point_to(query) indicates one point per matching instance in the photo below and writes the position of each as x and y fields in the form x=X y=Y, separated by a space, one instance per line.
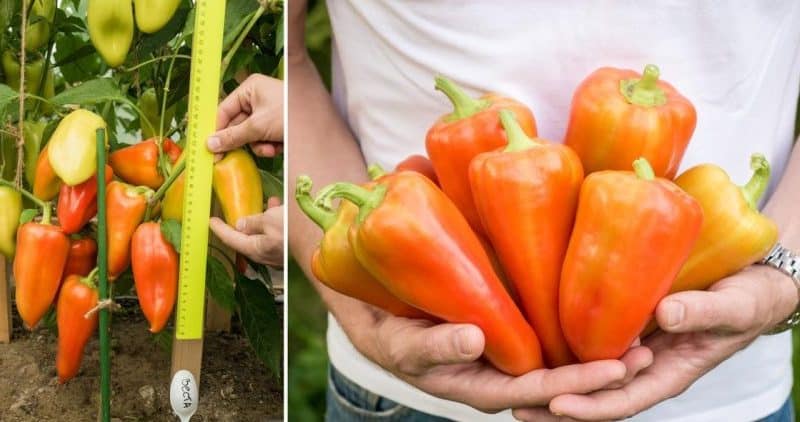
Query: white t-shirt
x=737 y=61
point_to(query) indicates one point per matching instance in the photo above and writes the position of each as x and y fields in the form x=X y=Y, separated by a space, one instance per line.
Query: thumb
x=725 y=310
x=443 y=344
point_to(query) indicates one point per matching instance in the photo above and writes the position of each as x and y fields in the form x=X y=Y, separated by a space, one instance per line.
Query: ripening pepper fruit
x=472 y=128
x=78 y=296
x=33 y=131
x=110 y=24
x=632 y=234
x=237 y=185
x=335 y=265
x=150 y=105
x=34 y=75
x=172 y=204
x=155 y=272
x=126 y=206
x=152 y=15
x=72 y=149
x=139 y=164
x=8 y=156
x=42 y=251
x=734 y=234
x=421 y=165
x=82 y=257
x=526 y=195
x=78 y=204
x=619 y=115
x=10 y=211
x=413 y=239
x=37 y=34
x=46 y=183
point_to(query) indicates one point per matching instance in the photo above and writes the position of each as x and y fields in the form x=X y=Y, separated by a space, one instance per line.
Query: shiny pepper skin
x=78 y=296
x=334 y=263
x=172 y=204
x=10 y=211
x=421 y=165
x=33 y=141
x=150 y=105
x=155 y=272
x=138 y=164
x=152 y=15
x=78 y=204
x=37 y=34
x=619 y=115
x=126 y=206
x=632 y=234
x=46 y=183
x=237 y=185
x=33 y=75
x=456 y=138
x=110 y=24
x=72 y=149
x=82 y=257
x=413 y=239
x=526 y=195
x=42 y=251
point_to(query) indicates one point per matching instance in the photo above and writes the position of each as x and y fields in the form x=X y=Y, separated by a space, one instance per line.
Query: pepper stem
x=643 y=169
x=375 y=171
x=366 y=200
x=89 y=279
x=757 y=185
x=463 y=105
x=517 y=139
x=644 y=91
x=46 y=213
x=302 y=194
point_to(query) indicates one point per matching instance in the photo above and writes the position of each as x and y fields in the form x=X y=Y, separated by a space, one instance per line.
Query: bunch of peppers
x=524 y=235
x=64 y=180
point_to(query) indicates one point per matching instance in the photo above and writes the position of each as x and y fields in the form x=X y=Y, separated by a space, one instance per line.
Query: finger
x=264 y=149
x=636 y=359
x=730 y=309
x=237 y=241
x=233 y=137
x=417 y=349
x=253 y=224
x=538 y=414
x=273 y=201
x=237 y=103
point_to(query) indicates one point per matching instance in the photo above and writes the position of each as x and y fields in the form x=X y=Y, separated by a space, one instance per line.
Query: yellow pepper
x=72 y=149
x=237 y=185
x=9 y=219
x=111 y=29
x=152 y=15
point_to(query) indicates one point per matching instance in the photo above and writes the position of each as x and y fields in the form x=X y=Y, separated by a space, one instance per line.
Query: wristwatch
x=789 y=263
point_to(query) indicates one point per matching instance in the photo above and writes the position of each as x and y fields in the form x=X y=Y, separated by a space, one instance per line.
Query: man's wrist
x=780 y=268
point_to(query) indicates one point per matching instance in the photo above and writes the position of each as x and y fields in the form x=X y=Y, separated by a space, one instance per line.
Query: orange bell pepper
x=619 y=115
x=632 y=234
x=78 y=296
x=46 y=183
x=125 y=207
x=472 y=128
x=42 y=251
x=155 y=272
x=139 y=164
x=413 y=239
x=735 y=234
x=526 y=195
x=421 y=165
x=334 y=263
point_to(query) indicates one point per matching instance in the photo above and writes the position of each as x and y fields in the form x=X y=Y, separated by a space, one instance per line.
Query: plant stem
x=102 y=264
x=21 y=123
x=322 y=217
x=34 y=199
x=173 y=176
x=757 y=185
x=153 y=60
x=643 y=169
x=242 y=35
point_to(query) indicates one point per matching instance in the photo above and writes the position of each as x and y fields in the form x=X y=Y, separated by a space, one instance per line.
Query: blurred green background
x=308 y=358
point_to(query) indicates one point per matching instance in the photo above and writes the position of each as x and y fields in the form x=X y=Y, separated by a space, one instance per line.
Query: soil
x=234 y=385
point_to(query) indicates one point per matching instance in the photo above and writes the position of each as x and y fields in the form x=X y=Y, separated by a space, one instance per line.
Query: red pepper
x=421 y=165
x=78 y=204
x=138 y=164
x=632 y=234
x=78 y=296
x=416 y=243
x=472 y=128
x=82 y=257
x=42 y=251
x=126 y=206
x=155 y=272
x=526 y=195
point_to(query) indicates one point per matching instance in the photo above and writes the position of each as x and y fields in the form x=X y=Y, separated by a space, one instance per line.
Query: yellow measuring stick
x=203 y=95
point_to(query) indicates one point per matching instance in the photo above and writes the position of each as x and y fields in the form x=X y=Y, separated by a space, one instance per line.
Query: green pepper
x=38 y=33
x=33 y=131
x=150 y=105
x=9 y=219
x=111 y=29
x=33 y=75
x=8 y=156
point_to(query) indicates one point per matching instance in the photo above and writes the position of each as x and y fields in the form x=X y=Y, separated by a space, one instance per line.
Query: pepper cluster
x=559 y=252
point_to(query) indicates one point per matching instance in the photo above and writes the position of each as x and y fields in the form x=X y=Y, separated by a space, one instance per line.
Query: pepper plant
x=123 y=65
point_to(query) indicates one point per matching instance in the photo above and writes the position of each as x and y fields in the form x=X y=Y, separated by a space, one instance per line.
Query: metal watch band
x=788 y=263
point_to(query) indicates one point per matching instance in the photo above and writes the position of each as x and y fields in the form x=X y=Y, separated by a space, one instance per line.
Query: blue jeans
x=348 y=401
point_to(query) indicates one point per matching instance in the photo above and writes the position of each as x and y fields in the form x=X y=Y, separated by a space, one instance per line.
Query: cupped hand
x=445 y=360
x=700 y=330
x=259 y=237
x=251 y=115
